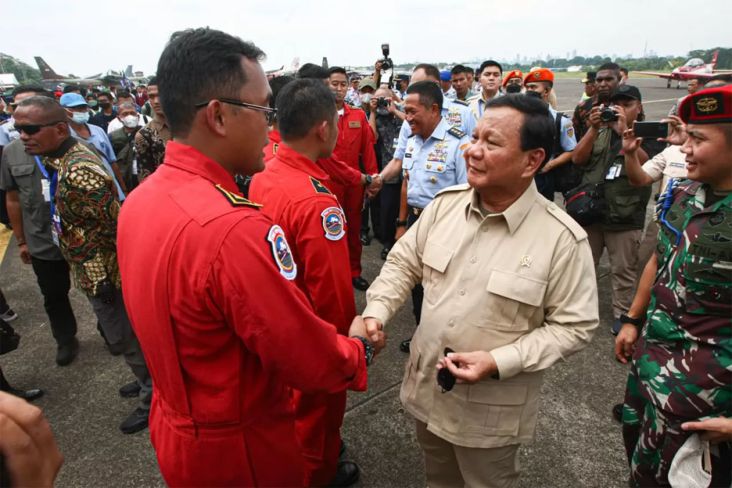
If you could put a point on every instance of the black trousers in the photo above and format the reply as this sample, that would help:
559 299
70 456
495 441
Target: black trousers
55 283
389 195
373 209
418 290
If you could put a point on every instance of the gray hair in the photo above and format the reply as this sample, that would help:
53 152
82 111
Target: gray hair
126 105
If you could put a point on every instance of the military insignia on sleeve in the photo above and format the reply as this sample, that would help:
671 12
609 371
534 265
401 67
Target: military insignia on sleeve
236 200
461 102
570 132
455 131
333 223
319 187
281 252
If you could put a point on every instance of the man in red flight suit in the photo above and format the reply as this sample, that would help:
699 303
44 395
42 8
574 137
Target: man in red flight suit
355 147
207 280
293 190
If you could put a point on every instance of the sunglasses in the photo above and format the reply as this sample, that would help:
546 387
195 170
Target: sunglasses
445 378
269 112
31 129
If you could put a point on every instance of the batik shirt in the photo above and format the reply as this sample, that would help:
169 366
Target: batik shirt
150 144
88 206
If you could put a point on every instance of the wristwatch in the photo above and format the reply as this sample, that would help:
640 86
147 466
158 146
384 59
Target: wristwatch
367 347
625 319
401 223
368 180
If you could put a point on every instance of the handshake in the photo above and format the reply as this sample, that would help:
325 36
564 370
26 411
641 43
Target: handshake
374 186
370 329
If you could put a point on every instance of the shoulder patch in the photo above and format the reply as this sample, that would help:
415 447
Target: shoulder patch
455 131
454 188
236 200
319 187
461 102
281 252
333 223
563 217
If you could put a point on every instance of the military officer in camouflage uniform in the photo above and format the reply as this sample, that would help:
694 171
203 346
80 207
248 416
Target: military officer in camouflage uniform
682 362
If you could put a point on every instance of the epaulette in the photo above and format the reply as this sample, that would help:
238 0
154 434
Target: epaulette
454 188
319 187
236 200
457 132
462 102
563 217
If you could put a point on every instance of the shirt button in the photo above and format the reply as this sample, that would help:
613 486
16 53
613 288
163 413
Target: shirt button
433 179
461 292
473 259
451 323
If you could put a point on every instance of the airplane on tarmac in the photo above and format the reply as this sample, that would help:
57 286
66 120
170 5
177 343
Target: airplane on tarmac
49 76
694 68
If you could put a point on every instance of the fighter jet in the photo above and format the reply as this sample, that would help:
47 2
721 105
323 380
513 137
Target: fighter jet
694 68
50 77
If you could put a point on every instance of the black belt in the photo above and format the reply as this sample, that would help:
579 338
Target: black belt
415 211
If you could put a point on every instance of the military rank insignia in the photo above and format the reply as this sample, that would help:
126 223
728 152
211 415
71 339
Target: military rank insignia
236 200
333 223
281 252
319 187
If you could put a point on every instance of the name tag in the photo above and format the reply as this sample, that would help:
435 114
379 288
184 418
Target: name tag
46 190
354 124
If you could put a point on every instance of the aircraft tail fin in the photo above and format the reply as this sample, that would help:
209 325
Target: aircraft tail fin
714 59
47 73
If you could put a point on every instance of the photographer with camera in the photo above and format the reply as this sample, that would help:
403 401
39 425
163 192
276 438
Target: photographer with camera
606 82
618 216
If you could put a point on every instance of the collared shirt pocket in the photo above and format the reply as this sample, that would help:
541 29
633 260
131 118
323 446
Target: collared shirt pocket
29 195
436 258
512 300
494 408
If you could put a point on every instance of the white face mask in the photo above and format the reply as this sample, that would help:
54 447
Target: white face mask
130 121
366 98
80 117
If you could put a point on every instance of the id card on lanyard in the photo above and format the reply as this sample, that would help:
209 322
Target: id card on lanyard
49 184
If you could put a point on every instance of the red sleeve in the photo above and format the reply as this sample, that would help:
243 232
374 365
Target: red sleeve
274 319
368 155
322 258
340 172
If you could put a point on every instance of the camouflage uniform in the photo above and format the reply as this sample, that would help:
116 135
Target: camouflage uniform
682 365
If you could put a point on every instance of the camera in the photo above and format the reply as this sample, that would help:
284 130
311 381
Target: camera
607 114
386 63
382 102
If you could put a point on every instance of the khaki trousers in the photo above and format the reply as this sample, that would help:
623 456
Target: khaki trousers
622 249
451 466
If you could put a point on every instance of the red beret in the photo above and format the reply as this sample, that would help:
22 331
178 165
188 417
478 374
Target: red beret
512 74
539 74
711 106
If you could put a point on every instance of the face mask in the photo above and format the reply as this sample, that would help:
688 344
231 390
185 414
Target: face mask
92 103
80 117
513 88
533 94
366 98
130 121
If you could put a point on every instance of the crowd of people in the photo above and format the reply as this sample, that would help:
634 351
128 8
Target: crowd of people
260 194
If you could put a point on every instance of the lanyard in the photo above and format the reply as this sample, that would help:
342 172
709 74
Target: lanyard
53 183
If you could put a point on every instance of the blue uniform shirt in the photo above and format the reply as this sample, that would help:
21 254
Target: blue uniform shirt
456 113
435 163
566 136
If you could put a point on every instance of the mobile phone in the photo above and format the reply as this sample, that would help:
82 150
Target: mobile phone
650 130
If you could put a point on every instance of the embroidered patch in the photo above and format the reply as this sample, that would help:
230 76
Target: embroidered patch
333 223
319 187
281 252
570 132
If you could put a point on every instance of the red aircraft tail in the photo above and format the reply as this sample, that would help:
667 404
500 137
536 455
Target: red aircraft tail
714 59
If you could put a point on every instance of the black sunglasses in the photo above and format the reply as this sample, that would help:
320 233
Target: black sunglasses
445 378
269 112
31 129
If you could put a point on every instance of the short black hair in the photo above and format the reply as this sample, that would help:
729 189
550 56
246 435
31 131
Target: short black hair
312 71
624 70
72 88
276 84
537 129
196 66
301 104
490 62
459 69
339 70
429 69
470 70
105 94
428 91
124 94
153 80
29 89
610 67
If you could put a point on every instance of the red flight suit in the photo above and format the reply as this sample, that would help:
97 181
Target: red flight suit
355 147
208 284
341 175
294 193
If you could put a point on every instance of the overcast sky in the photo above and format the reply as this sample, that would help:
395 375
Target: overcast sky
84 38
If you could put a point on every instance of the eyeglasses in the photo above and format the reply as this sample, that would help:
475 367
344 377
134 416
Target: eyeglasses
269 112
31 129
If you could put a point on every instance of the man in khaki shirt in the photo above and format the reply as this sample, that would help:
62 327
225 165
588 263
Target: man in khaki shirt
509 285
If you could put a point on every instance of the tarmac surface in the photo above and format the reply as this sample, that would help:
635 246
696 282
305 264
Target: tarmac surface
577 442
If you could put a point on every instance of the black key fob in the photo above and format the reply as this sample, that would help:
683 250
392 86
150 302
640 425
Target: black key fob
445 378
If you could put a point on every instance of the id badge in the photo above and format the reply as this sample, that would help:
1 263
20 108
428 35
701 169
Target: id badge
46 190
55 228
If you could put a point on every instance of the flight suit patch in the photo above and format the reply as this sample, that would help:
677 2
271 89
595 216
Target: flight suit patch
281 253
333 223
319 187
236 200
